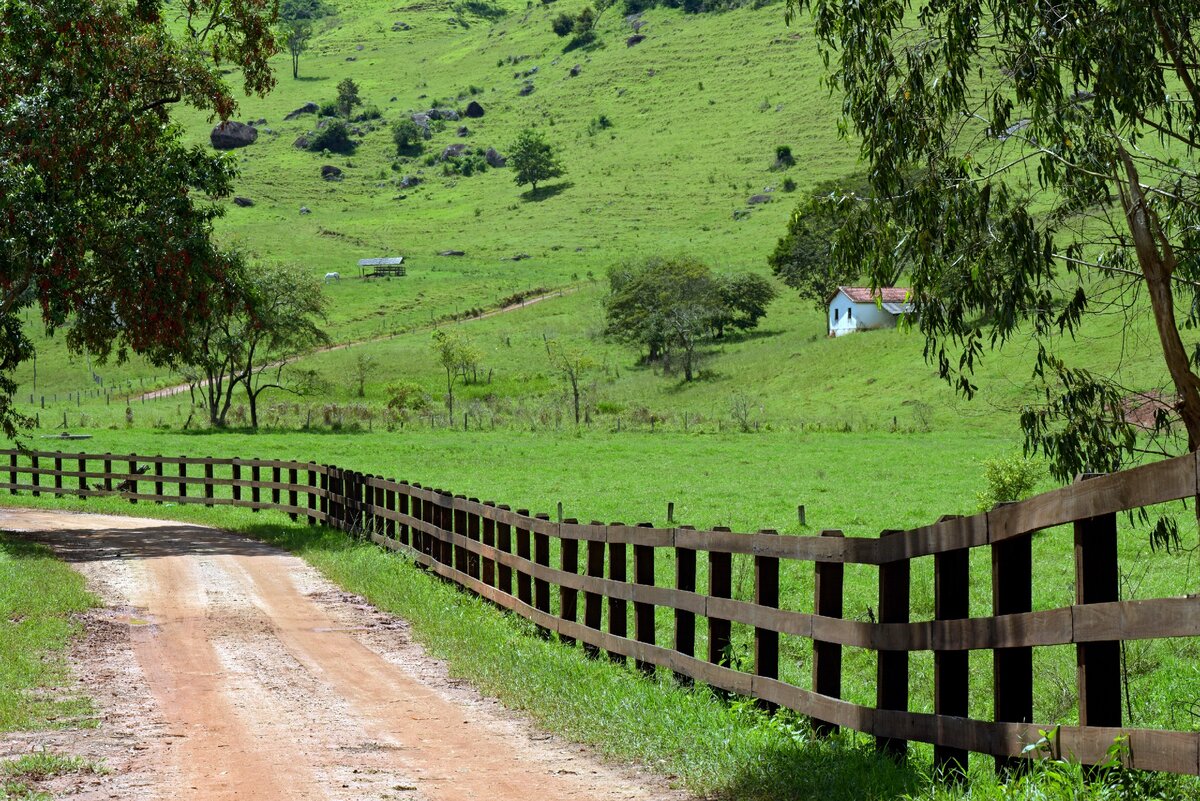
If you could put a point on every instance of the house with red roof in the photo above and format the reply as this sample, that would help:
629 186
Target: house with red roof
858 308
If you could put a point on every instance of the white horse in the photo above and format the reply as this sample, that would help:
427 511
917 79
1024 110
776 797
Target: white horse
332 277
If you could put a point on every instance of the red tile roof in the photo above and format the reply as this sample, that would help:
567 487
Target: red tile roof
863 294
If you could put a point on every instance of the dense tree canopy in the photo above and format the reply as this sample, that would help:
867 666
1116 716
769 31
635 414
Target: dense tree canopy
1034 164
533 159
103 219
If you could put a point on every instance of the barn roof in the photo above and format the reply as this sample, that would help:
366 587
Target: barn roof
890 294
390 261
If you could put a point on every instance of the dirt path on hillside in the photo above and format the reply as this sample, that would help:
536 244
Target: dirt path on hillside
226 669
179 389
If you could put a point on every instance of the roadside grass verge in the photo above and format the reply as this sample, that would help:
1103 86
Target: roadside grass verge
37 595
699 741
17 775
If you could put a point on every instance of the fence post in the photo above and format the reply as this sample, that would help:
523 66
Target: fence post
568 597
685 620
324 497
504 545
208 482
83 485
951 668
294 492
524 580
235 472
420 514
766 641
133 480
158 479
1097 580
182 475
541 587
108 485
58 478
720 585
312 496
446 510
403 507
618 621
593 609
488 537
892 666
389 503
829 578
643 613
12 472
380 503
473 534
276 479
1012 668
462 562
255 490
34 475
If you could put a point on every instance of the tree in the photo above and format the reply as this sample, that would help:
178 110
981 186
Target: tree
334 137
347 97
296 34
104 218
407 135
744 299
573 365
269 315
563 24
456 355
533 159
972 115
364 364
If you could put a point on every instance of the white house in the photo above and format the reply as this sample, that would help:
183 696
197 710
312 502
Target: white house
857 308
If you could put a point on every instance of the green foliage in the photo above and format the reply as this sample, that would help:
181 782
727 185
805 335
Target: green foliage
458 358
744 301
465 164
304 9
408 136
563 24
329 108
334 137
407 396
347 97
533 159
788 184
1008 479
599 123
296 34
1035 172
114 248
784 157
370 111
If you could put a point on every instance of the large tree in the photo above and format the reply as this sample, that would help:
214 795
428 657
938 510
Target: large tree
533 159
104 222
1034 163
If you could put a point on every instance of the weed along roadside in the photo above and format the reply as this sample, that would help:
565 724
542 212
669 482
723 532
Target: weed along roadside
759 643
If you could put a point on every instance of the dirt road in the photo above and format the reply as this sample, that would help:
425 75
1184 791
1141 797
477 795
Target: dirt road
226 669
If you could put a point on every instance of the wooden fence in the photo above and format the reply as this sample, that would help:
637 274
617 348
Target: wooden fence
505 556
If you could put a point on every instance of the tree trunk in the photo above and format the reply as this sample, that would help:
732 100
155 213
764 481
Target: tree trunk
1157 260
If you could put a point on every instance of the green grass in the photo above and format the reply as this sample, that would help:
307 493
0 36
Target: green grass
37 596
16 775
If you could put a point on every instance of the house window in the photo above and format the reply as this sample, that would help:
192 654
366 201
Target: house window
836 313
850 313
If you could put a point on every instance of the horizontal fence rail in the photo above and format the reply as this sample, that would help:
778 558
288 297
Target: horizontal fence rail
504 556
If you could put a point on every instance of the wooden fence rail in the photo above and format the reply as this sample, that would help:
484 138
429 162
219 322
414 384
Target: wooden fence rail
505 556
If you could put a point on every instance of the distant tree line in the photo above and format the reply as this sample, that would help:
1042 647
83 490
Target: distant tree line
671 307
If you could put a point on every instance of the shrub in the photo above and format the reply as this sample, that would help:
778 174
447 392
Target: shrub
563 24
784 157
334 137
329 108
598 124
1008 478
465 165
407 135
407 396
789 185
369 112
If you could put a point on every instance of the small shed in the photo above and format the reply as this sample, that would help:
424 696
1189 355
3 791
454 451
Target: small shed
389 265
857 308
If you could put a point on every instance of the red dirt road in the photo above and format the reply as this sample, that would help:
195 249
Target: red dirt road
227 669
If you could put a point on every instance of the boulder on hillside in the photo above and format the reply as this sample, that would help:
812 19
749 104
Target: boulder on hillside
637 38
442 114
474 109
452 253
230 135
494 159
464 130
526 90
575 71
400 25
755 200
409 181
244 202
301 142
453 151
307 108
331 173
305 210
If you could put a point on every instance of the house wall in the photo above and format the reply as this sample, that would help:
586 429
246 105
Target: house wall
853 316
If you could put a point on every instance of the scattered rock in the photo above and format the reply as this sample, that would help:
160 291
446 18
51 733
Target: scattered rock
464 130
393 100
301 142
453 151
409 181
448 114
267 130
401 26
574 73
244 202
351 58
650 73
230 135
331 173
452 253
307 108
323 123
260 121
741 214
305 210
360 47
526 90
474 109
620 93
494 159
637 38
519 257
754 200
